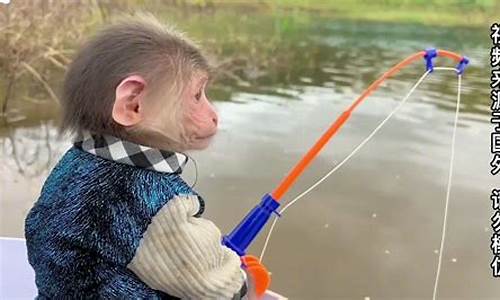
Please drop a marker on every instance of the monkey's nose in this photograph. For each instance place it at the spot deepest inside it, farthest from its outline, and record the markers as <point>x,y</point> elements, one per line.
<point>215,119</point>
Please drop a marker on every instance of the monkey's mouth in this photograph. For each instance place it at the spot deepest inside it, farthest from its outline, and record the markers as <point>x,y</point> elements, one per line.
<point>206,137</point>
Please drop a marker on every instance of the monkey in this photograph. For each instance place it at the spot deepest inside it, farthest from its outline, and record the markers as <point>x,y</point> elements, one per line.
<point>114,218</point>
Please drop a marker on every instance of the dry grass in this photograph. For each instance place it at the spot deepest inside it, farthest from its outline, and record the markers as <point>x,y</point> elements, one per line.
<point>36,39</point>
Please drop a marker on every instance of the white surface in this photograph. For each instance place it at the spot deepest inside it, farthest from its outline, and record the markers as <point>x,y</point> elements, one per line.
<point>270,295</point>
<point>17,278</point>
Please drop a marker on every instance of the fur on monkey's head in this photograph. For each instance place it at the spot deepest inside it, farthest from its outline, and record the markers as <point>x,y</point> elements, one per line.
<point>135,80</point>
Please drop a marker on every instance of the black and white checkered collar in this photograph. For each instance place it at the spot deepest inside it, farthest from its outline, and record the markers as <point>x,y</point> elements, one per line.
<point>125,152</point>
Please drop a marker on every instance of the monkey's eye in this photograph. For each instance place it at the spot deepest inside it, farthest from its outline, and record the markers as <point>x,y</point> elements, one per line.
<point>198,96</point>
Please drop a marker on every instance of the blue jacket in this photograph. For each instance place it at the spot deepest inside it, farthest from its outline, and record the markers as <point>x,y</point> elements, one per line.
<point>85,227</point>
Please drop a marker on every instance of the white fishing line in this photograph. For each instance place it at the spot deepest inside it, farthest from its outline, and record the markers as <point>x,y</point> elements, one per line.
<point>448,189</point>
<point>368,138</point>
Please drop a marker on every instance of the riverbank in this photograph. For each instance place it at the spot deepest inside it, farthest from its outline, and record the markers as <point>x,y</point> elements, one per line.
<point>431,12</point>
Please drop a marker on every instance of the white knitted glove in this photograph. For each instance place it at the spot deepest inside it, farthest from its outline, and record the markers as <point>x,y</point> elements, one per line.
<point>183,255</point>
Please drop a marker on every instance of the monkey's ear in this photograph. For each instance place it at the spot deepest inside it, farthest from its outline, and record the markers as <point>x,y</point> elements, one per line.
<point>128,106</point>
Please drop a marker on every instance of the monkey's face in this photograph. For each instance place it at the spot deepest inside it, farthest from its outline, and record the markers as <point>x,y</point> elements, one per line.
<point>198,117</point>
<point>186,121</point>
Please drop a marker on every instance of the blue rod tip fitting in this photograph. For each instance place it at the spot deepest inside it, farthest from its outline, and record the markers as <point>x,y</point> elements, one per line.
<point>429,55</point>
<point>464,62</point>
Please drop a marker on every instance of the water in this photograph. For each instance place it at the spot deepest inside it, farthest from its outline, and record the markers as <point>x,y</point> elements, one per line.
<point>369,232</point>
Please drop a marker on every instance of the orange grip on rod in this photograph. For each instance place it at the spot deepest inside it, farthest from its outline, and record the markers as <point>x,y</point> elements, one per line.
<point>299,168</point>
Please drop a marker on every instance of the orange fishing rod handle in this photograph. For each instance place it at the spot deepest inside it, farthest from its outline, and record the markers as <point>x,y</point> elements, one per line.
<point>258,273</point>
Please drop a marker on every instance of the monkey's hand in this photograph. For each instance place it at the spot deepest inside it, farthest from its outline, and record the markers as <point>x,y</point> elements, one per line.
<point>258,276</point>
<point>182,254</point>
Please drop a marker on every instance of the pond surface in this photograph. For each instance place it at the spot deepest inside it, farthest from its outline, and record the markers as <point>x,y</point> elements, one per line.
<point>372,230</point>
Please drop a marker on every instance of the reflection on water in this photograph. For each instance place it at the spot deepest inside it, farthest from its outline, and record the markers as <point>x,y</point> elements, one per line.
<point>373,228</point>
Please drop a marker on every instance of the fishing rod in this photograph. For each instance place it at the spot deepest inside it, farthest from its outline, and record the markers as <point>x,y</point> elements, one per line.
<point>247,230</point>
